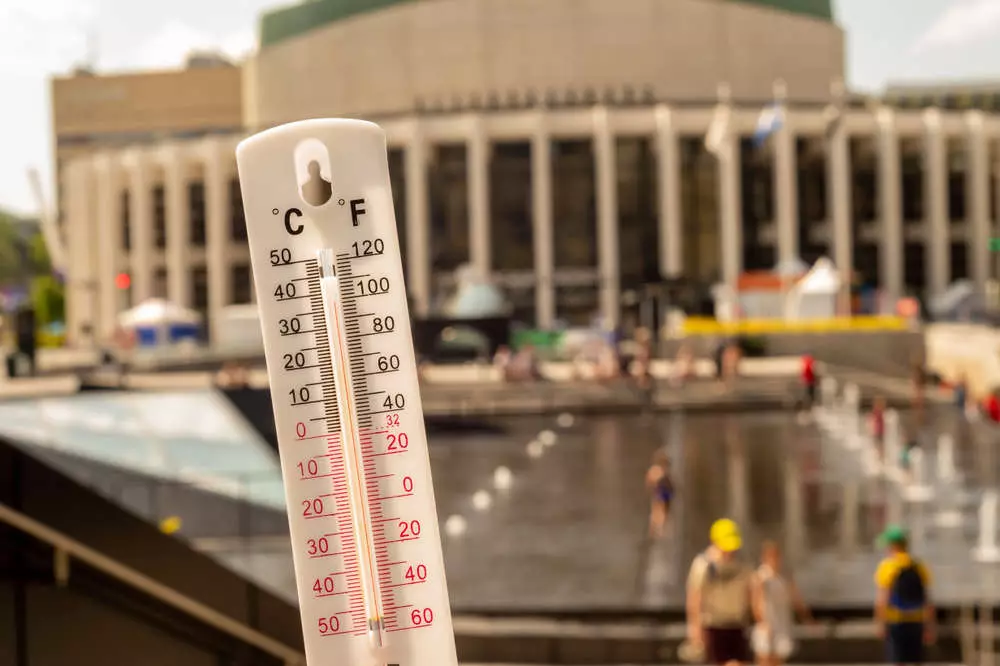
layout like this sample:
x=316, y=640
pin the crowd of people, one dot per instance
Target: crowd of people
x=739, y=612
x=615, y=360
x=743, y=612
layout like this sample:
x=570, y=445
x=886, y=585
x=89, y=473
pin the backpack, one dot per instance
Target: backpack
x=907, y=592
x=726, y=597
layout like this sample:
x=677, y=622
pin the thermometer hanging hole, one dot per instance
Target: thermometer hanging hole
x=312, y=173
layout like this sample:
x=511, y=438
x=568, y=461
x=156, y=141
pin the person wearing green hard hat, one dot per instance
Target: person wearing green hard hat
x=904, y=614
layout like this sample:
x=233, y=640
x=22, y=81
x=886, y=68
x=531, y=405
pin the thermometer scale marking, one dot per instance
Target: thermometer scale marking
x=371, y=567
x=351, y=293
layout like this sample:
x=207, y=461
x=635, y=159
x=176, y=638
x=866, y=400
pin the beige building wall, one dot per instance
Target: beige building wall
x=92, y=113
x=151, y=102
x=445, y=53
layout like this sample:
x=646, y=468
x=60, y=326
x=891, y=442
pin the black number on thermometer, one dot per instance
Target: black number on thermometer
x=395, y=400
x=281, y=257
x=291, y=326
x=373, y=286
x=383, y=324
x=368, y=248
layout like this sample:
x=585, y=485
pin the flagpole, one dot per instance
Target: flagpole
x=838, y=93
x=774, y=125
x=718, y=142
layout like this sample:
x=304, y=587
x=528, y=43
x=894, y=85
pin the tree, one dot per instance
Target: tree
x=24, y=262
x=49, y=300
x=38, y=255
x=11, y=250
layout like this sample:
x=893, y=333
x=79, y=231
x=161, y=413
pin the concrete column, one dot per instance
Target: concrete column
x=608, y=268
x=140, y=188
x=669, y=193
x=418, y=258
x=176, y=200
x=839, y=206
x=786, y=192
x=730, y=210
x=218, y=167
x=541, y=216
x=110, y=255
x=977, y=194
x=938, y=245
x=478, y=175
x=81, y=275
x=890, y=209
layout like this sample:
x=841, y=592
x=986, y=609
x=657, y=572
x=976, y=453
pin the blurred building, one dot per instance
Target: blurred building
x=560, y=147
x=93, y=113
x=955, y=96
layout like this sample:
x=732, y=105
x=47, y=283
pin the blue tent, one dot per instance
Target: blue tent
x=157, y=322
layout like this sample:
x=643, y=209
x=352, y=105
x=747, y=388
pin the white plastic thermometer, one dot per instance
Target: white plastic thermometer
x=343, y=378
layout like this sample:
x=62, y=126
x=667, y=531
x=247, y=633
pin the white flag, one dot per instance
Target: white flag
x=718, y=131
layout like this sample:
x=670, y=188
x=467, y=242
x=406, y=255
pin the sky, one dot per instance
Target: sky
x=887, y=40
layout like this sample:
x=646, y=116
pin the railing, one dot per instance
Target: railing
x=67, y=549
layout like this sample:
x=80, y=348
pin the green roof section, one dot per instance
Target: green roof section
x=818, y=9
x=291, y=21
x=287, y=22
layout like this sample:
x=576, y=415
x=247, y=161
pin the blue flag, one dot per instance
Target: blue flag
x=770, y=121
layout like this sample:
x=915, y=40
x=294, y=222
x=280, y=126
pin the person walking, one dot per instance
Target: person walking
x=720, y=590
x=904, y=613
x=809, y=380
x=876, y=425
x=775, y=598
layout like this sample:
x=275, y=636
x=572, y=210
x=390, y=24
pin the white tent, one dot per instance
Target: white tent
x=157, y=321
x=475, y=297
x=815, y=295
x=157, y=311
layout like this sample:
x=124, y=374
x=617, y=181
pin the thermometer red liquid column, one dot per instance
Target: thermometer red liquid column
x=346, y=398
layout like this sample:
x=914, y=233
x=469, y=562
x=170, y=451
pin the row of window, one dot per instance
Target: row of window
x=241, y=285
x=574, y=204
x=196, y=215
x=949, y=101
x=552, y=98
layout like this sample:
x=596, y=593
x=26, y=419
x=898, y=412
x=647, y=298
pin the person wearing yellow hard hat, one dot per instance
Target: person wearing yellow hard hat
x=720, y=589
x=725, y=535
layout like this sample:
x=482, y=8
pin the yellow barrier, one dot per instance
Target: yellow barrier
x=49, y=340
x=708, y=326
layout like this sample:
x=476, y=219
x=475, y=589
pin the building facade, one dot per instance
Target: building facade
x=93, y=113
x=559, y=146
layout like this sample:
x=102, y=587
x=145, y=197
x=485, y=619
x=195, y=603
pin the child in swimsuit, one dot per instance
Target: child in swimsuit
x=661, y=489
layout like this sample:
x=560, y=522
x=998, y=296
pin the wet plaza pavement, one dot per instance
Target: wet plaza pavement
x=569, y=535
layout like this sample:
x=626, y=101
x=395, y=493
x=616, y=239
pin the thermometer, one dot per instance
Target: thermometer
x=343, y=377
